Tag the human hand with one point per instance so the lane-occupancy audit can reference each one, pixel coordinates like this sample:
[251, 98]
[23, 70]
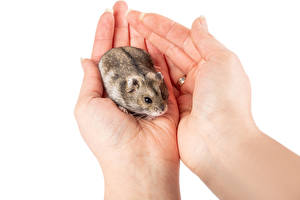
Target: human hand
[217, 137]
[139, 158]
[214, 101]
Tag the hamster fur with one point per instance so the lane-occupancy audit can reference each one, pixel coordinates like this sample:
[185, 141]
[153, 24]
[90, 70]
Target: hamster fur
[131, 81]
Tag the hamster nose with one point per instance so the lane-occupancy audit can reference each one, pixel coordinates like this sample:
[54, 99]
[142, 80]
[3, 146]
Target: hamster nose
[162, 107]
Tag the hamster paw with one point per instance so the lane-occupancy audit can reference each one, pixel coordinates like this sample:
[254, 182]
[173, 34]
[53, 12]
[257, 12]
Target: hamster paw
[123, 109]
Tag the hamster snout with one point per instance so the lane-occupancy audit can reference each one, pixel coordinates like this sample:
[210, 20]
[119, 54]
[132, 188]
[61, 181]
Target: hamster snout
[163, 108]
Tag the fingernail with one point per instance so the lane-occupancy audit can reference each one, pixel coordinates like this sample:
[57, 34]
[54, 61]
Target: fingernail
[109, 10]
[202, 17]
[127, 12]
[141, 17]
[202, 20]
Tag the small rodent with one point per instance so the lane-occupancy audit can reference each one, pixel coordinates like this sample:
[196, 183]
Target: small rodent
[132, 82]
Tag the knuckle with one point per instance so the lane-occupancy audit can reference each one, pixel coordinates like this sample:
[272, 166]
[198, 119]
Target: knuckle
[230, 57]
[227, 57]
[171, 28]
[169, 49]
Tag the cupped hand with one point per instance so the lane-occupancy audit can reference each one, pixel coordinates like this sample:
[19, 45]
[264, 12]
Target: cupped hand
[217, 137]
[129, 150]
[215, 97]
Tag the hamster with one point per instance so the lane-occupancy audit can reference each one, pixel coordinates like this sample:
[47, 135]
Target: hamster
[131, 81]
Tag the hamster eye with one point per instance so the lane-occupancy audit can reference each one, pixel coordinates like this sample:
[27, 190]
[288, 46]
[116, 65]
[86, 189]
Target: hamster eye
[148, 100]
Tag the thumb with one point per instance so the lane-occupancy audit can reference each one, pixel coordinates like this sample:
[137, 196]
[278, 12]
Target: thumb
[206, 44]
[92, 84]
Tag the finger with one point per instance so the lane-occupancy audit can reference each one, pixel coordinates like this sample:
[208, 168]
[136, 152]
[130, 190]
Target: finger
[136, 40]
[91, 85]
[184, 105]
[173, 32]
[175, 72]
[159, 60]
[104, 35]
[178, 56]
[207, 45]
[176, 92]
[121, 36]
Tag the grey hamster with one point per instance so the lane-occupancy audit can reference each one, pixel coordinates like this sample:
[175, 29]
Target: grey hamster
[131, 81]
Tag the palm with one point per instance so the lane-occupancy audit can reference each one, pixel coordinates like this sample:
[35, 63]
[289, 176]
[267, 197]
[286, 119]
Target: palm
[112, 129]
[106, 129]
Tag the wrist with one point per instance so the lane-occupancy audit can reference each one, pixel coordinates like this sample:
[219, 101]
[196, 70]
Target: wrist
[228, 143]
[222, 137]
[244, 158]
[142, 179]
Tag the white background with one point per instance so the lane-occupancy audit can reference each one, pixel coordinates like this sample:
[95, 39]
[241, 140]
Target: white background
[42, 155]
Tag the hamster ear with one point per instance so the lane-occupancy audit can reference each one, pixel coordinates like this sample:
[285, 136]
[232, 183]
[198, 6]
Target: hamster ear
[158, 75]
[132, 84]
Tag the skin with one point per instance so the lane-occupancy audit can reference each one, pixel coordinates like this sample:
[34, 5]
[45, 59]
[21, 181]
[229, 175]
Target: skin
[217, 137]
[139, 158]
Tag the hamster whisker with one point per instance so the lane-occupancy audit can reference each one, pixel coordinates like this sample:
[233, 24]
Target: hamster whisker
[139, 116]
